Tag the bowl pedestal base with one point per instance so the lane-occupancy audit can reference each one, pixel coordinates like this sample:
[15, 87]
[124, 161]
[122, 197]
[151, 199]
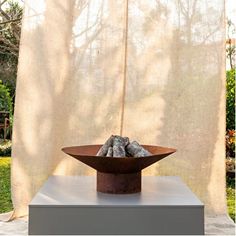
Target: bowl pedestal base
[119, 183]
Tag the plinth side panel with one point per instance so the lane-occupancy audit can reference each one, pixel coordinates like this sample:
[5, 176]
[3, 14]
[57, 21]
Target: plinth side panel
[117, 220]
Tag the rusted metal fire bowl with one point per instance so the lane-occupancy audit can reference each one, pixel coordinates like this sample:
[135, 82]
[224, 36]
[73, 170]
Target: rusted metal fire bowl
[117, 175]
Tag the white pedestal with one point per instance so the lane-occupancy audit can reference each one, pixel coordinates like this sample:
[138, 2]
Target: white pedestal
[71, 205]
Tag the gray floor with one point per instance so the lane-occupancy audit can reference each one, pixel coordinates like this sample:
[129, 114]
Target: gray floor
[15, 227]
[219, 225]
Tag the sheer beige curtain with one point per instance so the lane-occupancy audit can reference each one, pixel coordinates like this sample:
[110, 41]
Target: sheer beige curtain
[87, 71]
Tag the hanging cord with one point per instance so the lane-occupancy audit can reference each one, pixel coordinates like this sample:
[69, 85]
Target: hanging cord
[125, 67]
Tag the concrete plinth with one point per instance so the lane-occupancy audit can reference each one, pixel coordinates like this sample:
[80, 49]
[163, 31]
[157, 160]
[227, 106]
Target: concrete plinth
[71, 205]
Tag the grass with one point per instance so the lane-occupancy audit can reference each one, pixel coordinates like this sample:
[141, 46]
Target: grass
[5, 189]
[230, 190]
[5, 185]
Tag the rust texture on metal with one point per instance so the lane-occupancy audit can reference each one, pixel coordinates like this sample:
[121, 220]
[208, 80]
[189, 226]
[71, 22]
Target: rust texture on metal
[119, 183]
[117, 175]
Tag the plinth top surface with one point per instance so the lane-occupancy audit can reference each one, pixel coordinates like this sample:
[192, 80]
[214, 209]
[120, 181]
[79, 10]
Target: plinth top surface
[81, 191]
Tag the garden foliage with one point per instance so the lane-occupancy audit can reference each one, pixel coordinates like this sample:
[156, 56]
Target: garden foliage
[230, 100]
[5, 99]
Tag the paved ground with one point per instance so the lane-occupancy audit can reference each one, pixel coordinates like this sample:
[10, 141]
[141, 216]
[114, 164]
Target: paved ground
[15, 227]
[220, 225]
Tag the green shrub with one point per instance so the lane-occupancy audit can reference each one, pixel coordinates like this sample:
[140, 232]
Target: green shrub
[5, 99]
[5, 106]
[8, 78]
[230, 102]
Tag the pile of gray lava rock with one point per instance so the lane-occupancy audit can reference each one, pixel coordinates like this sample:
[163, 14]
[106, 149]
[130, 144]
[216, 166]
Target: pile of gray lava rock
[118, 146]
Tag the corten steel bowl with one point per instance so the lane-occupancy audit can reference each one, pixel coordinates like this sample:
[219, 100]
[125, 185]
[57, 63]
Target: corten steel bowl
[118, 175]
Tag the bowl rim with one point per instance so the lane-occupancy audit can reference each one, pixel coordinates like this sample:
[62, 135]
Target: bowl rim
[170, 151]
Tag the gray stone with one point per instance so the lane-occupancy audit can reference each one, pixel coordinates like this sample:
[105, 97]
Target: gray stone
[136, 150]
[104, 149]
[110, 152]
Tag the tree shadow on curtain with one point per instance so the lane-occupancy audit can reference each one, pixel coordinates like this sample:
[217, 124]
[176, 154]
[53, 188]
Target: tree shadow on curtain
[193, 119]
[63, 98]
